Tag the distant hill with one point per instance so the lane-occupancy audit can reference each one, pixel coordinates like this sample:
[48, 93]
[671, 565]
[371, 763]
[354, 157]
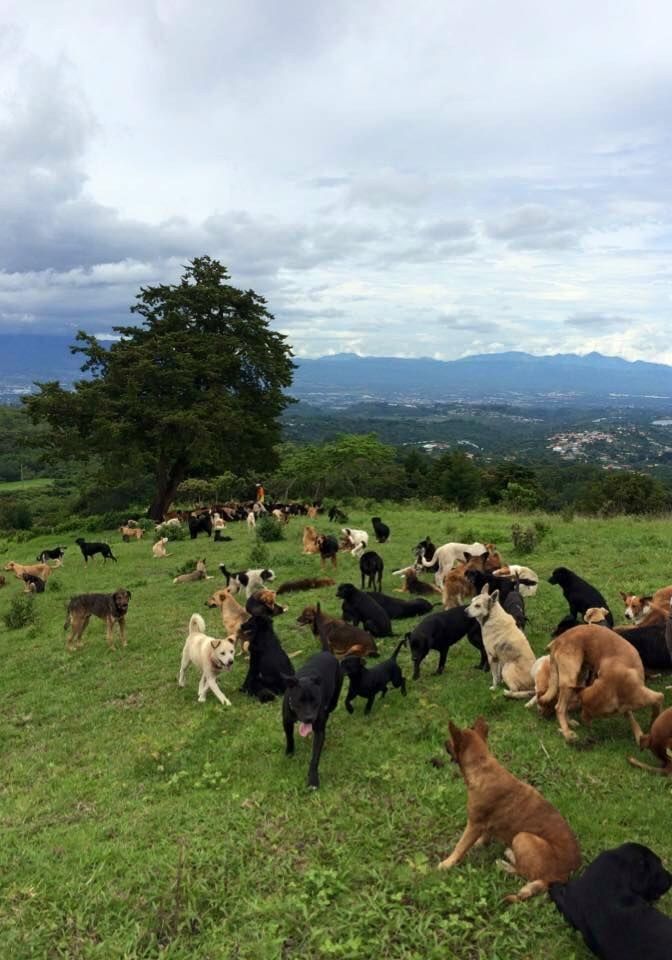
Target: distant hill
[347, 378]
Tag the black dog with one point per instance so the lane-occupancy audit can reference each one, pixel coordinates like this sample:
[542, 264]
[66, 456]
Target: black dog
[610, 904]
[371, 565]
[358, 607]
[579, 594]
[269, 664]
[328, 546]
[402, 609]
[367, 683]
[381, 530]
[218, 538]
[311, 695]
[425, 550]
[439, 631]
[34, 584]
[337, 515]
[262, 604]
[514, 605]
[56, 554]
[200, 524]
[91, 549]
[649, 642]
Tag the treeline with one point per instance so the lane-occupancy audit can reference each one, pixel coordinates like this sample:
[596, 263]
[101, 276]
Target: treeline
[21, 445]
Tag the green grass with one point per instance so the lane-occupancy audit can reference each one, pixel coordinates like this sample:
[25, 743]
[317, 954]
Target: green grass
[21, 486]
[137, 822]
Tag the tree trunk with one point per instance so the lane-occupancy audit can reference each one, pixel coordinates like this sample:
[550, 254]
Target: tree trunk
[167, 483]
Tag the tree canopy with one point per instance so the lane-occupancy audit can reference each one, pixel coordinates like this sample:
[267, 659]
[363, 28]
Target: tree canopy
[197, 386]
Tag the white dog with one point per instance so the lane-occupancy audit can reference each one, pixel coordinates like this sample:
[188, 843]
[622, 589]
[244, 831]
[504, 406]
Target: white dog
[159, 549]
[510, 656]
[251, 520]
[209, 655]
[446, 556]
[527, 589]
[359, 540]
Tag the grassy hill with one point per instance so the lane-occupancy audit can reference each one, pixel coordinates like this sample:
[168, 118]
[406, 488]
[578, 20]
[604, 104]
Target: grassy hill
[139, 823]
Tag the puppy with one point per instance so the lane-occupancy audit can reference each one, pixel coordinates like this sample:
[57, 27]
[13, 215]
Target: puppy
[658, 740]
[541, 846]
[510, 655]
[369, 682]
[200, 573]
[208, 655]
[310, 698]
[91, 549]
[610, 904]
[269, 664]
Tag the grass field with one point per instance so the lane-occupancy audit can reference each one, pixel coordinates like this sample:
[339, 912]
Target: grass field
[23, 486]
[137, 822]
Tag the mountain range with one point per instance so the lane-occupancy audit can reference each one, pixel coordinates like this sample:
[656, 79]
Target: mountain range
[346, 378]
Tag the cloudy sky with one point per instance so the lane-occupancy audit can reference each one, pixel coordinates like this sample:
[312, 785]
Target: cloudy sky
[397, 178]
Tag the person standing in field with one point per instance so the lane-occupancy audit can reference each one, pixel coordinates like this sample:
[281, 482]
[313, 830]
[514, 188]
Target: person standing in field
[260, 493]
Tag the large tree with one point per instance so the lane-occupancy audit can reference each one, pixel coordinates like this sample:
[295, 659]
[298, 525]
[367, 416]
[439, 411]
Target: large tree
[196, 386]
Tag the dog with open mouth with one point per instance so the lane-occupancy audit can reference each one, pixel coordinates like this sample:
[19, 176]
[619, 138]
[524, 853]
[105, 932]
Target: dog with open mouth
[209, 655]
[311, 695]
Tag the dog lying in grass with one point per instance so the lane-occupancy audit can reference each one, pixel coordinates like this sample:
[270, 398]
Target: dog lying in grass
[610, 904]
[200, 573]
[541, 846]
[308, 583]
[413, 584]
[209, 655]
[369, 682]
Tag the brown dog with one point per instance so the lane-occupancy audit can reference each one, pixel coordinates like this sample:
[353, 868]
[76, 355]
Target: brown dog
[41, 570]
[618, 686]
[233, 614]
[541, 846]
[456, 587]
[413, 584]
[637, 608]
[337, 636]
[131, 533]
[110, 607]
[658, 740]
[310, 540]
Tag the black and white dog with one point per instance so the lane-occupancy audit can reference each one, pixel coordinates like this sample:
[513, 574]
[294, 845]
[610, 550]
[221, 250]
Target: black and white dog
[56, 554]
[249, 580]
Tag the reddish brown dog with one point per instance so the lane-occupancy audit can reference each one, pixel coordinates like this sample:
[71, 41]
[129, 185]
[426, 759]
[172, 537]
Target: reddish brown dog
[658, 740]
[618, 686]
[541, 846]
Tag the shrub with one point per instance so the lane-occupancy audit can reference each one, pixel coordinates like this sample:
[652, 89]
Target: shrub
[259, 555]
[542, 528]
[524, 541]
[269, 530]
[15, 516]
[172, 531]
[567, 513]
[21, 612]
[519, 498]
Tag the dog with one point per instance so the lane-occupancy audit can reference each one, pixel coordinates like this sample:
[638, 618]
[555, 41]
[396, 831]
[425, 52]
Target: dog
[441, 631]
[250, 580]
[110, 607]
[309, 583]
[527, 578]
[509, 654]
[263, 604]
[456, 587]
[413, 584]
[41, 570]
[337, 636]
[33, 584]
[269, 665]
[58, 553]
[311, 696]
[610, 904]
[251, 520]
[381, 530]
[200, 573]
[425, 549]
[328, 547]
[159, 549]
[310, 540]
[446, 556]
[658, 740]
[369, 682]
[199, 523]
[514, 605]
[618, 686]
[637, 607]
[371, 567]
[92, 548]
[233, 615]
[541, 846]
[357, 540]
[337, 516]
[131, 533]
[358, 607]
[209, 655]
[401, 609]
[579, 594]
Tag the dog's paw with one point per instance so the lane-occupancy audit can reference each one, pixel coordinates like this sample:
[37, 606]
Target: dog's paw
[570, 736]
[445, 864]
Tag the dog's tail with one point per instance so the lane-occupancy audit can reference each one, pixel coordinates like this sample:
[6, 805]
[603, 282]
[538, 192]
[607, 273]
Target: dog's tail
[225, 573]
[665, 771]
[196, 624]
[553, 684]
[519, 694]
[401, 643]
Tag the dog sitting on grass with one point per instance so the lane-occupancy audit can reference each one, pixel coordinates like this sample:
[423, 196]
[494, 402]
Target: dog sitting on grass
[110, 607]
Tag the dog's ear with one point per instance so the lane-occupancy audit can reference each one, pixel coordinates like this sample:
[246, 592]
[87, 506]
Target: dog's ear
[467, 557]
[215, 644]
[480, 727]
[495, 597]
[290, 680]
[646, 599]
[485, 592]
[453, 745]
[623, 596]
[483, 556]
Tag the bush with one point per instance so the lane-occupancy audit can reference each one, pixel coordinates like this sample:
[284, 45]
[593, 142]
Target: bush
[172, 531]
[15, 516]
[21, 612]
[269, 530]
[519, 499]
[542, 528]
[524, 541]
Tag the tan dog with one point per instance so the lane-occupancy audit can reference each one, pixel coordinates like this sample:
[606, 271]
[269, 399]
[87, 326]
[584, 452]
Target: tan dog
[310, 540]
[41, 570]
[233, 614]
[658, 740]
[159, 549]
[596, 615]
[312, 512]
[618, 686]
[131, 533]
[637, 608]
[541, 846]
[208, 655]
[200, 573]
[510, 656]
